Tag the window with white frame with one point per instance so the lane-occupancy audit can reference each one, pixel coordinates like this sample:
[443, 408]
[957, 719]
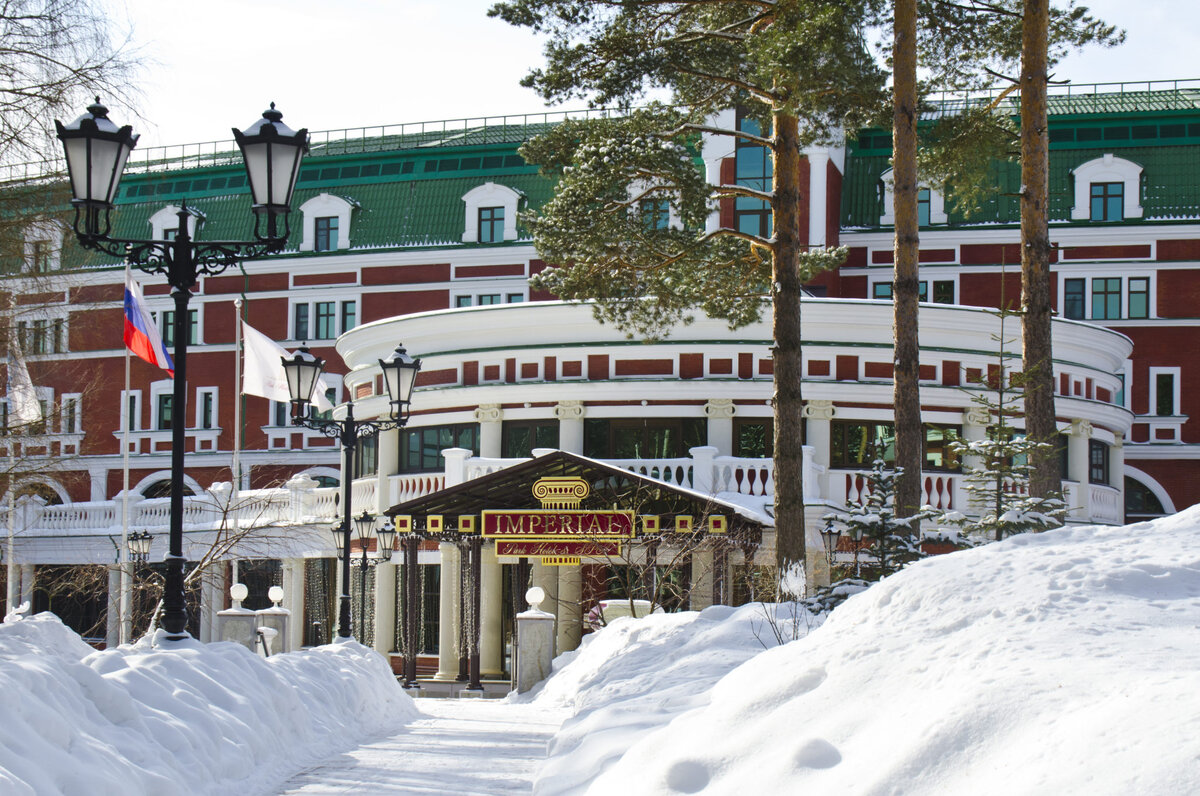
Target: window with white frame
[326, 223]
[1107, 188]
[206, 408]
[43, 246]
[166, 326]
[323, 320]
[42, 335]
[164, 225]
[1165, 392]
[1107, 298]
[162, 405]
[499, 222]
[70, 419]
[931, 203]
[943, 291]
[131, 410]
[482, 299]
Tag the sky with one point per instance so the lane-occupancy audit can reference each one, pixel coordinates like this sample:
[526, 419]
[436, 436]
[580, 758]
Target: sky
[218, 64]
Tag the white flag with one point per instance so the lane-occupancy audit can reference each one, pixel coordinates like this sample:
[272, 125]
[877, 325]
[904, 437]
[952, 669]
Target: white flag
[23, 406]
[263, 374]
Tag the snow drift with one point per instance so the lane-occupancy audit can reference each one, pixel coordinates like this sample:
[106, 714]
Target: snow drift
[181, 718]
[1063, 662]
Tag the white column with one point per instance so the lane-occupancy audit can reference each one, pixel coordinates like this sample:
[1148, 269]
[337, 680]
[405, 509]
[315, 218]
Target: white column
[388, 464]
[547, 578]
[570, 426]
[570, 608]
[456, 465]
[702, 468]
[209, 604]
[112, 630]
[385, 608]
[720, 412]
[490, 418]
[1078, 455]
[975, 421]
[99, 484]
[26, 585]
[1116, 466]
[491, 637]
[448, 614]
[702, 578]
[818, 200]
[819, 434]
[293, 600]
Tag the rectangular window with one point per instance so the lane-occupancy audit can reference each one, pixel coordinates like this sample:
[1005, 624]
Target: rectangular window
[131, 411]
[421, 448]
[655, 213]
[349, 315]
[207, 409]
[168, 327]
[923, 207]
[1106, 299]
[1073, 300]
[753, 170]
[327, 414]
[1164, 394]
[300, 322]
[855, 444]
[943, 291]
[57, 339]
[754, 437]
[280, 414]
[325, 312]
[40, 338]
[881, 290]
[325, 234]
[515, 298]
[489, 298]
[1108, 201]
[70, 415]
[938, 453]
[462, 301]
[519, 438]
[1097, 462]
[41, 256]
[1139, 297]
[491, 224]
[163, 414]
[366, 455]
[171, 234]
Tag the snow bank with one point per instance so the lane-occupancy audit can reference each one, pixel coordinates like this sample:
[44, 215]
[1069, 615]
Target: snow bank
[179, 718]
[1063, 662]
[635, 676]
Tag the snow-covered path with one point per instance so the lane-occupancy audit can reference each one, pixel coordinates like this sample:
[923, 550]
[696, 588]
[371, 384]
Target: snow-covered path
[460, 746]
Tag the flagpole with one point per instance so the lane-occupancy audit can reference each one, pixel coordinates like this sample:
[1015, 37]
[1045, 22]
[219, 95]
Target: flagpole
[125, 608]
[11, 591]
[237, 420]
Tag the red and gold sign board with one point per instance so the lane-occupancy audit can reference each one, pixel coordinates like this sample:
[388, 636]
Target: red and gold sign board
[534, 549]
[555, 525]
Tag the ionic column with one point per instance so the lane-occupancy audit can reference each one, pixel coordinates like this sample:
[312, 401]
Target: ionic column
[818, 431]
[491, 421]
[385, 607]
[491, 637]
[448, 614]
[570, 427]
[1078, 455]
[1116, 465]
[975, 421]
[720, 412]
[818, 196]
[570, 608]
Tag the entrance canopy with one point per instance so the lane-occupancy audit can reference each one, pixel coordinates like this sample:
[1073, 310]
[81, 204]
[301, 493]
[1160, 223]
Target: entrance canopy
[675, 508]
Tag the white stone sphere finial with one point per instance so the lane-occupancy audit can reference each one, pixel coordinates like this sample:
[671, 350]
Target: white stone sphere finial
[275, 595]
[238, 592]
[534, 597]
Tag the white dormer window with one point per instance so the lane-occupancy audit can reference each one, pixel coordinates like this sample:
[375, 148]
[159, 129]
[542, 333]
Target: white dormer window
[491, 213]
[326, 223]
[164, 225]
[931, 204]
[1107, 189]
[43, 246]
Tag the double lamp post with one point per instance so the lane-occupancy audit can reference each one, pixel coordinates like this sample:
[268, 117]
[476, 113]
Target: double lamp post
[96, 152]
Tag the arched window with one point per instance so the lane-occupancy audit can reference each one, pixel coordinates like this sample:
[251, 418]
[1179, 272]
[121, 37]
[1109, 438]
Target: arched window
[326, 223]
[1107, 189]
[931, 205]
[491, 213]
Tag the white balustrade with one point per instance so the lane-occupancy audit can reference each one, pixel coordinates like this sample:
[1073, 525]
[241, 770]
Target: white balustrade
[671, 471]
[362, 495]
[744, 476]
[1105, 504]
[478, 466]
[403, 488]
[325, 503]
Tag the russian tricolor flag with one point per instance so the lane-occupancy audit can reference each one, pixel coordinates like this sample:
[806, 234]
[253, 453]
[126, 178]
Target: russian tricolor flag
[141, 335]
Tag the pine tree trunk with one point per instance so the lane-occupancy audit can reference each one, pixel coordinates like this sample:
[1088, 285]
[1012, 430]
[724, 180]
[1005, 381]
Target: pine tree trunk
[910, 434]
[1038, 363]
[787, 357]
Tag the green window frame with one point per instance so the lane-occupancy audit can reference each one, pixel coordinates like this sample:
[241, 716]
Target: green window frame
[1097, 462]
[325, 313]
[1106, 298]
[943, 291]
[325, 234]
[1138, 303]
[164, 414]
[349, 315]
[655, 213]
[1108, 201]
[491, 224]
[923, 200]
[300, 322]
[1073, 299]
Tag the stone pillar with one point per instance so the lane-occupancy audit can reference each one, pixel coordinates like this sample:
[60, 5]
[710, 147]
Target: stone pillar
[490, 418]
[388, 464]
[570, 425]
[99, 484]
[385, 607]
[819, 434]
[975, 422]
[702, 578]
[456, 465]
[570, 608]
[112, 630]
[720, 412]
[27, 571]
[703, 469]
[491, 635]
[211, 601]
[448, 614]
[1078, 437]
[818, 196]
[1116, 466]
[547, 579]
[293, 600]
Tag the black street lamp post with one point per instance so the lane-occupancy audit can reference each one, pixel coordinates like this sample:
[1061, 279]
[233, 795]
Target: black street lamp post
[303, 370]
[96, 151]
